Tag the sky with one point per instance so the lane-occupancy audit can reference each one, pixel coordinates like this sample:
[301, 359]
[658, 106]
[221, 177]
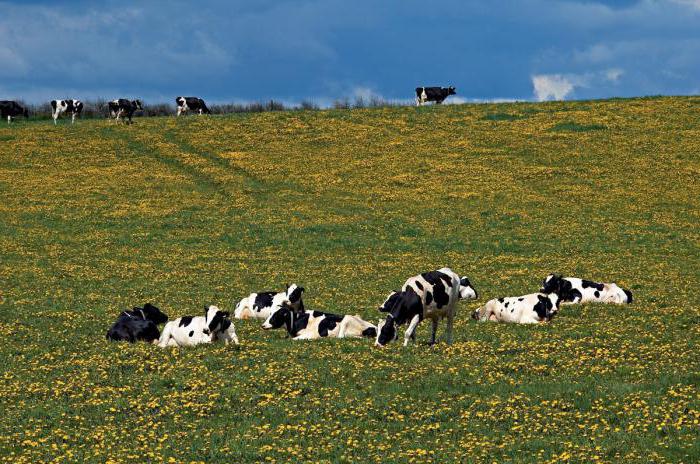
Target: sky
[322, 50]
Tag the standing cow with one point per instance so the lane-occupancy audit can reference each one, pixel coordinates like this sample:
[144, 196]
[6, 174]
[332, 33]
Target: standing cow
[194, 104]
[72, 107]
[11, 109]
[433, 295]
[433, 94]
[124, 108]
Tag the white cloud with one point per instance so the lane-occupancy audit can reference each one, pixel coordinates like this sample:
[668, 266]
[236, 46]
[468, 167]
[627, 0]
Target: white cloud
[691, 3]
[614, 74]
[552, 86]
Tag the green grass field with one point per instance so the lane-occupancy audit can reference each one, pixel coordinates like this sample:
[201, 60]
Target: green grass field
[98, 217]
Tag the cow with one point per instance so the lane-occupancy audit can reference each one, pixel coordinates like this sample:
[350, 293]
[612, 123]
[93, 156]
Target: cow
[124, 108]
[433, 295]
[262, 304]
[194, 104]
[527, 309]
[11, 109]
[574, 290]
[70, 106]
[138, 324]
[433, 94]
[194, 330]
[311, 325]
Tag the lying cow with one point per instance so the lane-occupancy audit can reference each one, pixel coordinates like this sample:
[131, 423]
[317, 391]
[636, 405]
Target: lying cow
[261, 305]
[573, 290]
[194, 330]
[433, 94]
[433, 295]
[138, 324]
[310, 325]
[11, 109]
[124, 108]
[194, 104]
[526, 309]
[71, 107]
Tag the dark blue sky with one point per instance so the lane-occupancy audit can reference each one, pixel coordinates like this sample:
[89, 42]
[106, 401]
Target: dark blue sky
[326, 49]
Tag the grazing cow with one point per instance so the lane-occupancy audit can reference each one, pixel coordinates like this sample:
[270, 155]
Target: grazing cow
[194, 104]
[261, 305]
[431, 295]
[138, 324]
[573, 290]
[72, 107]
[11, 109]
[526, 309]
[310, 325]
[189, 331]
[124, 108]
[433, 94]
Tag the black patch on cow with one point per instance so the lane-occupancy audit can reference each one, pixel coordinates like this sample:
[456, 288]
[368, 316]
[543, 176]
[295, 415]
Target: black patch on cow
[390, 302]
[596, 294]
[521, 299]
[437, 279]
[296, 295]
[543, 307]
[191, 332]
[591, 284]
[225, 324]
[428, 298]
[328, 323]
[185, 321]
[628, 294]
[369, 332]
[419, 285]
[507, 303]
[218, 320]
[317, 313]
[53, 104]
[500, 300]
[263, 300]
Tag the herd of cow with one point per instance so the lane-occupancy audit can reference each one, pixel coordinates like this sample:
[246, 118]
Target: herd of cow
[432, 295]
[120, 108]
[123, 108]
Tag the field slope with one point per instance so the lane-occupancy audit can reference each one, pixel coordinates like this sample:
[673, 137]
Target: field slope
[96, 218]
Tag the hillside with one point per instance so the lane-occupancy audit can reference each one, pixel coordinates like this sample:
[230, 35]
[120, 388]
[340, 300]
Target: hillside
[99, 217]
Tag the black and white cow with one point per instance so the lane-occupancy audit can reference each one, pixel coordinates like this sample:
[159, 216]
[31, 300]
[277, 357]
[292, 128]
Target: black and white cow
[573, 290]
[11, 109]
[194, 330]
[433, 94]
[433, 295]
[261, 305]
[526, 309]
[311, 325]
[194, 104]
[124, 108]
[70, 106]
[138, 324]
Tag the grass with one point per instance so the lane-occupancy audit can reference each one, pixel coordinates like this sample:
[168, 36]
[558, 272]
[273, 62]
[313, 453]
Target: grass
[97, 218]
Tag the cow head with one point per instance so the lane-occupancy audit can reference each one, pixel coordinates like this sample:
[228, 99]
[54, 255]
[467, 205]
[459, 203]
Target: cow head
[391, 302]
[279, 318]
[138, 105]
[451, 91]
[466, 291]
[476, 314]
[293, 295]
[553, 283]
[217, 320]
[151, 313]
[386, 331]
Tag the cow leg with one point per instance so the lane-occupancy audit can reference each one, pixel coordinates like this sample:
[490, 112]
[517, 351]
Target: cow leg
[434, 332]
[72, 119]
[411, 329]
[9, 119]
[450, 325]
[55, 117]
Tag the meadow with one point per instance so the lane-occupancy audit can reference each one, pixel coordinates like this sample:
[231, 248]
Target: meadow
[98, 217]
